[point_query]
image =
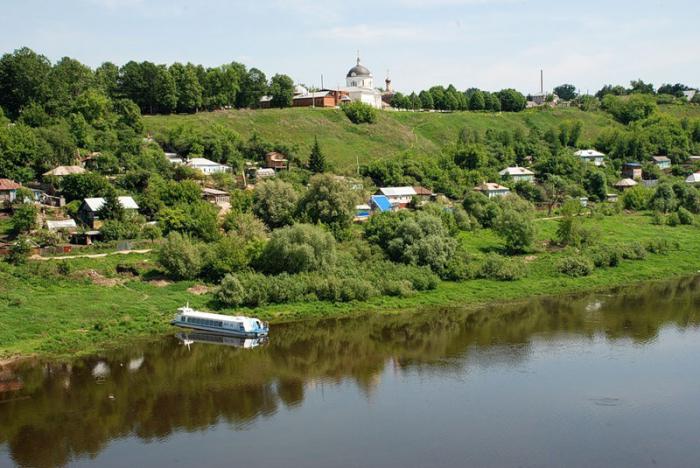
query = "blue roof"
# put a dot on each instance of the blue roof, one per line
(381, 202)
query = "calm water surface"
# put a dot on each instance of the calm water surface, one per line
(596, 380)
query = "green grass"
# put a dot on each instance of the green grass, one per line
(421, 133)
(44, 312)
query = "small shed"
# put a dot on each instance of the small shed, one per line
(216, 196)
(67, 225)
(693, 178)
(8, 190)
(277, 161)
(362, 212)
(632, 170)
(662, 162)
(624, 184)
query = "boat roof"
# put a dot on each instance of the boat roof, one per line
(208, 315)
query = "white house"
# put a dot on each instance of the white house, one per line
(492, 190)
(360, 86)
(89, 210)
(591, 156)
(173, 158)
(207, 166)
(517, 174)
(398, 196)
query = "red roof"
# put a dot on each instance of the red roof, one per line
(7, 184)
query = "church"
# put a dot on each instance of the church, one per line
(360, 86)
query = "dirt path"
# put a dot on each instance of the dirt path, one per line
(101, 255)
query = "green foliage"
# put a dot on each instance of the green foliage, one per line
(111, 209)
(317, 160)
(24, 218)
(498, 267)
(575, 266)
(180, 257)
(515, 225)
(673, 219)
(329, 201)
(684, 216)
(637, 198)
(19, 252)
(227, 255)
(87, 185)
(298, 248)
(663, 199)
(359, 112)
(275, 202)
(281, 90)
(511, 100)
(195, 219)
(629, 109)
(566, 92)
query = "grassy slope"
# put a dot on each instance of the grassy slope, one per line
(394, 132)
(72, 315)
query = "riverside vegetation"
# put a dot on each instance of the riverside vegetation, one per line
(289, 248)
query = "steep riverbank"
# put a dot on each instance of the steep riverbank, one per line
(47, 309)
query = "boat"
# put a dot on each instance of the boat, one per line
(245, 327)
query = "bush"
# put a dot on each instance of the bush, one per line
(660, 246)
(230, 292)
(517, 229)
(359, 112)
(302, 247)
(658, 218)
(673, 219)
(633, 251)
(180, 257)
(19, 252)
(501, 268)
(24, 218)
(605, 255)
(575, 266)
(684, 216)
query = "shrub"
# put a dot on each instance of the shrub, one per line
(673, 219)
(275, 202)
(575, 266)
(24, 218)
(517, 229)
(501, 268)
(398, 288)
(605, 255)
(359, 112)
(633, 251)
(658, 218)
(180, 257)
(660, 246)
(685, 216)
(302, 247)
(19, 252)
(230, 292)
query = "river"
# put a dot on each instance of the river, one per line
(594, 380)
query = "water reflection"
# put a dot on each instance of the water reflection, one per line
(52, 413)
(190, 338)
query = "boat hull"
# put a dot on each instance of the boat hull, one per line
(221, 331)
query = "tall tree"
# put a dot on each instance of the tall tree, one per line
(477, 101)
(189, 90)
(253, 87)
(107, 78)
(566, 92)
(67, 80)
(23, 76)
(281, 90)
(317, 161)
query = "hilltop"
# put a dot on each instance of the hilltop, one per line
(421, 133)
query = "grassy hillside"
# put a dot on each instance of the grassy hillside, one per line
(423, 133)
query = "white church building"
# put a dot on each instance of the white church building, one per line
(360, 86)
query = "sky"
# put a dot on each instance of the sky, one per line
(489, 44)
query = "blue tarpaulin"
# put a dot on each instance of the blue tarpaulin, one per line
(381, 202)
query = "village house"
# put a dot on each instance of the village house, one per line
(206, 166)
(276, 161)
(380, 203)
(632, 170)
(216, 196)
(591, 156)
(8, 190)
(624, 184)
(662, 162)
(362, 212)
(62, 171)
(323, 98)
(492, 190)
(517, 174)
(89, 210)
(399, 197)
(173, 158)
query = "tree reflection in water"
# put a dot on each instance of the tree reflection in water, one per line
(51, 413)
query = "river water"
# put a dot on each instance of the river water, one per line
(585, 381)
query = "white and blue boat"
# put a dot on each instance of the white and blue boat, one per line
(245, 327)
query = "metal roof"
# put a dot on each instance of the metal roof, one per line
(55, 225)
(512, 171)
(491, 187)
(95, 204)
(381, 202)
(589, 153)
(398, 191)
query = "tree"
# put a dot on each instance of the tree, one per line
(298, 248)
(516, 226)
(329, 201)
(596, 185)
(180, 257)
(111, 208)
(164, 91)
(664, 198)
(19, 252)
(89, 184)
(631, 109)
(24, 218)
(281, 90)
(360, 112)
(426, 100)
(477, 101)
(189, 90)
(23, 79)
(511, 100)
(566, 92)
(471, 156)
(222, 85)
(639, 86)
(67, 80)
(317, 160)
(107, 78)
(253, 87)
(275, 202)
